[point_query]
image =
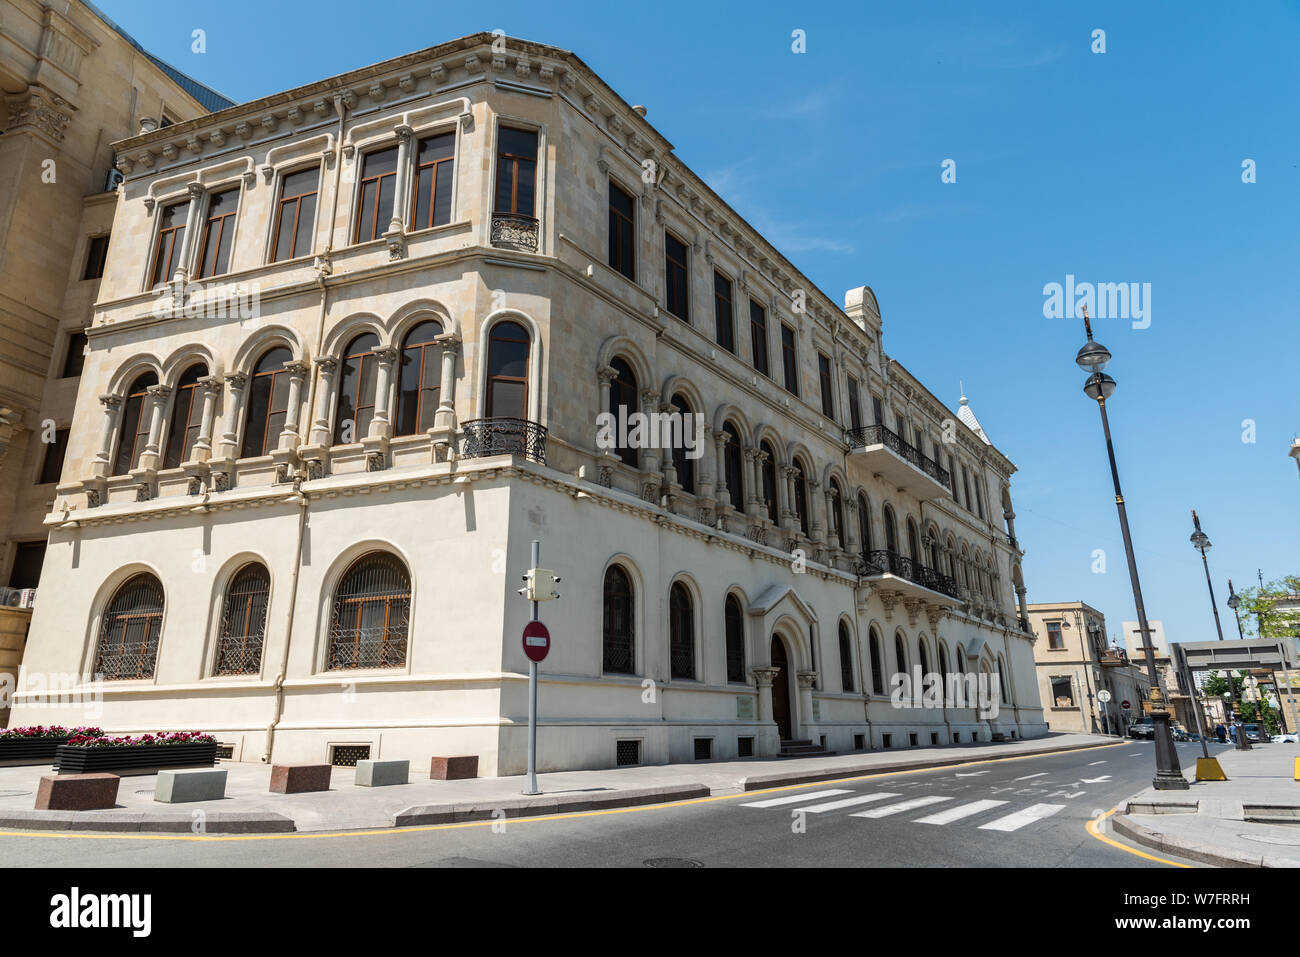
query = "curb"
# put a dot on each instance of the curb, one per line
(213, 822)
(764, 781)
(1192, 850)
(545, 804)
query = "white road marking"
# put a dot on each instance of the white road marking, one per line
(957, 813)
(970, 774)
(899, 807)
(1095, 763)
(1104, 777)
(1040, 774)
(773, 802)
(847, 802)
(1013, 822)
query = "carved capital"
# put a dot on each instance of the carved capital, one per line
(111, 401)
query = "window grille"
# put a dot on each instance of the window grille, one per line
(347, 755)
(372, 607)
(128, 638)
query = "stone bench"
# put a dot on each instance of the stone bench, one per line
(77, 792)
(375, 774)
(178, 787)
(454, 769)
(299, 778)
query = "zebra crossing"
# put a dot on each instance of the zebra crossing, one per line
(883, 806)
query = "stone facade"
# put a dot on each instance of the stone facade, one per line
(444, 511)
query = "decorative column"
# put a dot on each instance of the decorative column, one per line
(211, 387)
(832, 536)
(752, 501)
(807, 724)
(158, 394)
(235, 385)
(669, 469)
(400, 201)
(321, 435)
(444, 420)
(851, 543)
(297, 370)
(704, 479)
(379, 425)
(721, 494)
(102, 463)
(197, 195)
(649, 458)
(814, 517)
(789, 520)
(771, 737)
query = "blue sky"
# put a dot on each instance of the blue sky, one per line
(1117, 167)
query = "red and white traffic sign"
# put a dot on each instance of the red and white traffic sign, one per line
(1125, 705)
(537, 640)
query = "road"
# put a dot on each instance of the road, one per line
(1011, 812)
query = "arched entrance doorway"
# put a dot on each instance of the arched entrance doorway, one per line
(781, 690)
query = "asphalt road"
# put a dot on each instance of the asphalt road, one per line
(1018, 812)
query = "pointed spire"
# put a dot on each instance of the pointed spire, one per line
(967, 415)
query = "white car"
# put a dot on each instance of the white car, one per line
(1290, 737)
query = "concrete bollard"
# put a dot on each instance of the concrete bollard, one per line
(179, 787)
(454, 769)
(77, 792)
(299, 778)
(375, 774)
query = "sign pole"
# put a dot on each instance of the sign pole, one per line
(530, 784)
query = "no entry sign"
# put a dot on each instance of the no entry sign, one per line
(537, 640)
(1125, 705)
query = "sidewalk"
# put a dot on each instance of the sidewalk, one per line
(1250, 820)
(249, 807)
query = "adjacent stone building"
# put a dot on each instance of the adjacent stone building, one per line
(348, 360)
(71, 82)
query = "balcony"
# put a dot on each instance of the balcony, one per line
(884, 453)
(513, 231)
(908, 576)
(501, 436)
(1113, 658)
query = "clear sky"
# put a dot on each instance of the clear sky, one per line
(1122, 166)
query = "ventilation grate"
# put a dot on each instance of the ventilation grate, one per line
(627, 753)
(225, 751)
(703, 749)
(859, 742)
(744, 747)
(347, 755)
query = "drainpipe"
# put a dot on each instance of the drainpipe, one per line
(323, 270)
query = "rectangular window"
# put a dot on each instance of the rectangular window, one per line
(855, 405)
(789, 360)
(434, 162)
(952, 478)
(516, 173)
(877, 411)
(297, 214)
(1063, 692)
(979, 498)
(74, 360)
(676, 277)
(171, 236)
(1054, 639)
(26, 570)
(722, 312)
(377, 190)
(622, 231)
(758, 336)
(965, 484)
(95, 257)
(52, 467)
(827, 386)
(218, 233)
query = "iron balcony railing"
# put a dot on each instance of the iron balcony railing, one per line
(881, 562)
(514, 231)
(879, 435)
(499, 436)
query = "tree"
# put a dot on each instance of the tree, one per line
(1265, 612)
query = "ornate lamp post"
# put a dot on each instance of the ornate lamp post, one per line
(1234, 603)
(1093, 358)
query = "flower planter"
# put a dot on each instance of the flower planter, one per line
(16, 750)
(134, 759)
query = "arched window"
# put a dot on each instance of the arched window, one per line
(618, 653)
(683, 464)
(891, 528)
(268, 402)
(507, 372)
(187, 417)
(734, 623)
(623, 403)
(356, 389)
(243, 622)
(419, 383)
(864, 523)
(1002, 681)
(924, 658)
(732, 463)
(846, 658)
(133, 434)
(681, 632)
(128, 636)
(913, 541)
(943, 673)
(801, 495)
(961, 662)
(372, 610)
(877, 666)
(837, 511)
(900, 654)
(769, 480)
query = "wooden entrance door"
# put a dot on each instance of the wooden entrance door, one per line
(781, 690)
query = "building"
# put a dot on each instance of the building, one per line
(1174, 684)
(352, 353)
(1075, 665)
(72, 82)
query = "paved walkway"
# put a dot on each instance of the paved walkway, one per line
(1250, 820)
(249, 806)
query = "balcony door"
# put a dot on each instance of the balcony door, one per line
(507, 377)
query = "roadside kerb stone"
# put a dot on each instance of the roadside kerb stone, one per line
(543, 805)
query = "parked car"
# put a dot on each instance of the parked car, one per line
(1252, 733)
(1286, 737)
(1142, 728)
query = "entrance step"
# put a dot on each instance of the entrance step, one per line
(801, 748)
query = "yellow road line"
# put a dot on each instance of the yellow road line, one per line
(1094, 828)
(572, 815)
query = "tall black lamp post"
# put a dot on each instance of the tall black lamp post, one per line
(1234, 603)
(1093, 358)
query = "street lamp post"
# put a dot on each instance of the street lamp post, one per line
(1234, 603)
(1093, 358)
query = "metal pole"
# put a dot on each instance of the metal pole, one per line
(1210, 585)
(530, 784)
(1169, 774)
